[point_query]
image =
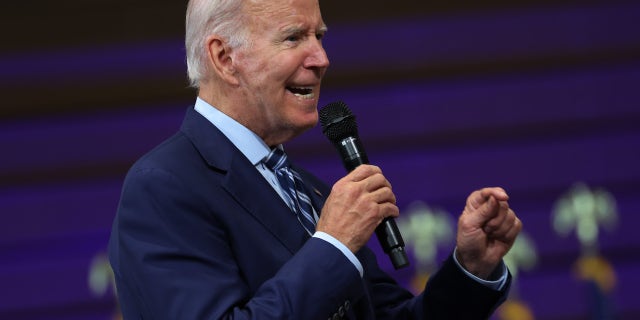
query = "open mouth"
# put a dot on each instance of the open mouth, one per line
(303, 92)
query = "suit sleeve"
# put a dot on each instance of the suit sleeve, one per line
(172, 260)
(449, 294)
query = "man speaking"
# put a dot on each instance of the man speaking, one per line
(217, 223)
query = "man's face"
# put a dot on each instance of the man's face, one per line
(281, 69)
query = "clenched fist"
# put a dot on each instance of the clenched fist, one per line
(487, 229)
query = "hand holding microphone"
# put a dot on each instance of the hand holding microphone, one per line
(363, 200)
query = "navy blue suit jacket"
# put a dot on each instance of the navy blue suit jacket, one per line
(200, 234)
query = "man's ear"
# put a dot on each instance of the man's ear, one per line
(220, 60)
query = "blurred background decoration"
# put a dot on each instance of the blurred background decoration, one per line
(424, 230)
(102, 282)
(522, 256)
(451, 96)
(586, 211)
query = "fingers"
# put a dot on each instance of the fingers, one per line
(511, 234)
(364, 188)
(357, 204)
(376, 190)
(492, 213)
(485, 204)
(367, 178)
(497, 192)
(386, 210)
(479, 197)
(498, 215)
(501, 224)
(362, 172)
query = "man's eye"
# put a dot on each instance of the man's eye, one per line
(319, 36)
(293, 38)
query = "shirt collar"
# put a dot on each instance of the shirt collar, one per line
(250, 144)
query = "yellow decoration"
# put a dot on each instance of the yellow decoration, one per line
(419, 281)
(597, 269)
(514, 310)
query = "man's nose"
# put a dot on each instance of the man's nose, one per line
(318, 56)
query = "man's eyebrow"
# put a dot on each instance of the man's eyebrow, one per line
(292, 30)
(299, 29)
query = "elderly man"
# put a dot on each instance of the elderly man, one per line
(214, 222)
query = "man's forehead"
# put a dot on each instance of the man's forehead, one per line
(277, 7)
(286, 15)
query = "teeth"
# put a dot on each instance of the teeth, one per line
(302, 92)
(305, 96)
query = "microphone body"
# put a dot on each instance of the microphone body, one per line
(340, 127)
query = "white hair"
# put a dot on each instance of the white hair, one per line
(207, 17)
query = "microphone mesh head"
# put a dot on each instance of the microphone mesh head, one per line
(337, 121)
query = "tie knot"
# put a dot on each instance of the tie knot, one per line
(276, 159)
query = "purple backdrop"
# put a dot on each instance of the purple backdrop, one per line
(514, 109)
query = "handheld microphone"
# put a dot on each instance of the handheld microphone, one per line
(339, 126)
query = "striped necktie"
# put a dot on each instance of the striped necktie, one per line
(291, 182)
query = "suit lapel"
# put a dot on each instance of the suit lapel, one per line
(243, 181)
(256, 195)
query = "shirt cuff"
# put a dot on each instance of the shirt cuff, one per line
(493, 284)
(347, 253)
